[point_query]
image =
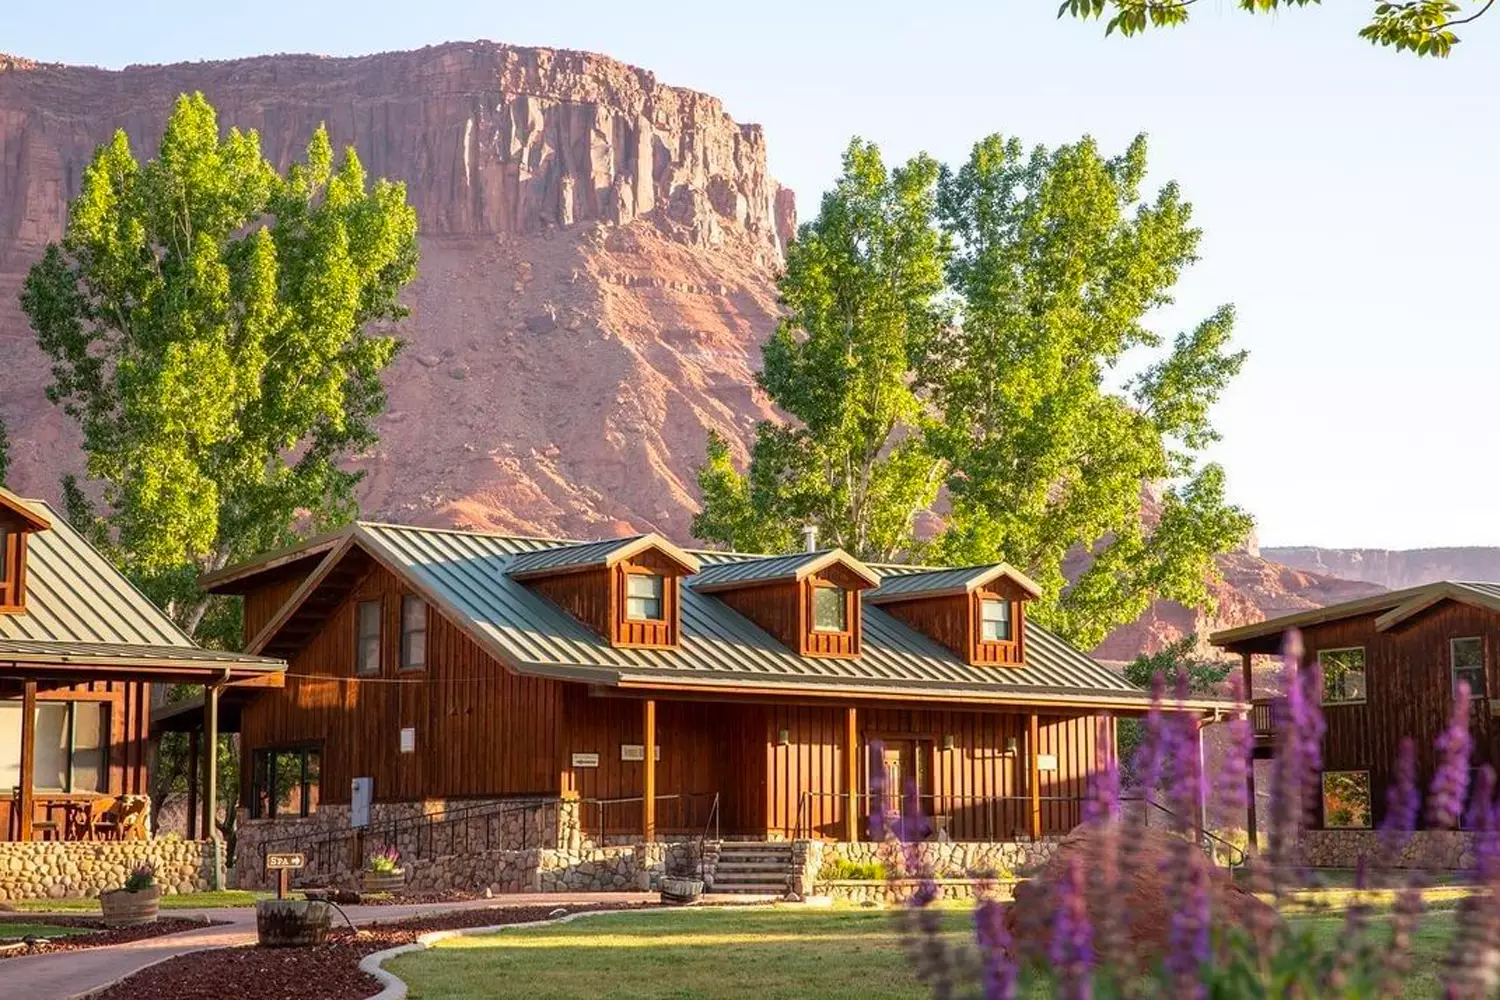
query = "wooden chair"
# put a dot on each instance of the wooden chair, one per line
(94, 819)
(41, 829)
(131, 817)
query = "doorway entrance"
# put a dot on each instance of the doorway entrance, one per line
(905, 765)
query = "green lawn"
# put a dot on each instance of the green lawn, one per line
(762, 954)
(15, 930)
(186, 901)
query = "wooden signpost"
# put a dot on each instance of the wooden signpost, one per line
(283, 865)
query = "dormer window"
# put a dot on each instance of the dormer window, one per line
(830, 609)
(10, 569)
(994, 620)
(626, 590)
(643, 597)
(17, 521)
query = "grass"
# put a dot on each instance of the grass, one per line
(184, 901)
(759, 954)
(15, 930)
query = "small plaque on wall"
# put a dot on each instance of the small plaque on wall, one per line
(1046, 762)
(585, 760)
(408, 741)
(637, 751)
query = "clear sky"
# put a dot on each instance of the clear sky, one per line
(1347, 193)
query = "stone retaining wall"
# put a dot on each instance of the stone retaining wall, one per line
(882, 892)
(78, 869)
(622, 868)
(948, 860)
(1451, 850)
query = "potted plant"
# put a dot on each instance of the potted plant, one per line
(681, 883)
(135, 902)
(383, 871)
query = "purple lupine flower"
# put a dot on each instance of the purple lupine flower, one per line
(1103, 802)
(1480, 813)
(1230, 791)
(1403, 801)
(1445, 799)
(1000, 971)
(1188, 948)
(1071, 949)
(878, 824)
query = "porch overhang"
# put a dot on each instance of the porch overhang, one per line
(77, 662)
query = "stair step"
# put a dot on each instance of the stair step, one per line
(748, 888)
(757, 879)
(747, 866)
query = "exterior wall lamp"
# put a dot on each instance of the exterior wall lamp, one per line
(1011, 746)
(784, 737)
(949, 741)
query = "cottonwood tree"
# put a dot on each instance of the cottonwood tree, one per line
(1059, 261)
(861, 293)
(216, 329)
(1425, 27)
(211, 328)
(4, 452)
(998, 379)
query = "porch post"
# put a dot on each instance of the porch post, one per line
(210, 760)
(648, 803)
(192, 782)
(27, 804)
(1034, 740)
(851, 774)
(1249, 764)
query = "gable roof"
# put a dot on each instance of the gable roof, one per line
(80, 610)
(467, 577)
(25, 510)
(754, 571)
(1396, 606)
(947, 583)
(579, 556)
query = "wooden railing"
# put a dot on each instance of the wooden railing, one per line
(1262, 717)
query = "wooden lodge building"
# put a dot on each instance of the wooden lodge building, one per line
(662, 689)
(79, 650)
(1390, 664)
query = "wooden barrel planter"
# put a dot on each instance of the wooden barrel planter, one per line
(123, 908)
(292, 923)
(370, 882)
(681, 891)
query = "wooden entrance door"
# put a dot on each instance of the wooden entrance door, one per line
(902, 762)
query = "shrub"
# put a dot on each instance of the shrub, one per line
(143, 876)
(842, 870)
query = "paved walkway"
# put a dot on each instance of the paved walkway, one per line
(69, 974)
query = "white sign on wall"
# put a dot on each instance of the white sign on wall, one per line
(1046, 762)
(408, 740)
(637, 751)
(585, 760)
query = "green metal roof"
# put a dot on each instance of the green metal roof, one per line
(907, 584)
(468, 575)
(753, 570)
(566, 557)
(81, 610)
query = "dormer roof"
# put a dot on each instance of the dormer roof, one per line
(32, 517)
(947, 583)
(792, 568)
(580, 556)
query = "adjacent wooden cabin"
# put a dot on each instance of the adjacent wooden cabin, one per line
(79, 650)
(661, 689)
(1391, 665)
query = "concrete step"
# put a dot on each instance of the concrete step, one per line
(749, 866)
(752, 874)
(747, 888)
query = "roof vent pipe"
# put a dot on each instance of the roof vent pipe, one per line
(809, 538)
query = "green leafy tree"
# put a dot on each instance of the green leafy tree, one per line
(1425, 27)
(1204, 677)
(861, 293)
(4, 452)
(211, 325)
(1060, 259)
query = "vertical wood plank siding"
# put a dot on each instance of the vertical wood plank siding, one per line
(1408, 682)
(129, 744)
(261, 604)
(587, 595)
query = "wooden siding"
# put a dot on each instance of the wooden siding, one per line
(587, 595)
(954, 621)
(775, 607)
(655, 634)
(129, 724)
(481, 730)
(784, 610)
(262, 603)
(1408, 683)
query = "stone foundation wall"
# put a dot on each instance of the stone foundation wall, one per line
(622, 868)
(1451, 850)
(878, 892)
(78, 869)
(494, 826)
(950, 860)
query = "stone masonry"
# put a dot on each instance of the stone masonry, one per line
(78, 869)
(1438, 850)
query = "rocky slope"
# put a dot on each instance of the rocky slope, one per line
(598, 260)
(1395, 568)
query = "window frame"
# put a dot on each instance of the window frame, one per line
(1009, 619)
(407, 632)
(360, 637)
(12, 569)
(1364, 672)
(1369, 798)
(105, 748)
(1483, 668)
(660, 598)
(264, 779)
(843, 594)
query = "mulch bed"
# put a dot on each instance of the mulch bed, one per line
(327, 972)
(101, 935)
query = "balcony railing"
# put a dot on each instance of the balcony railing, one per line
(1263, 717)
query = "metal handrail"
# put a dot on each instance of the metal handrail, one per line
(713, 818)
(1206, 840)
(991, 804)
(602, 804)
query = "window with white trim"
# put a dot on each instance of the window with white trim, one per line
(367, 638)
(413, 633)
(1343, 675)
(1466, 655)
(994, 620)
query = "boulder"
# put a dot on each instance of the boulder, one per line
(1141, 902)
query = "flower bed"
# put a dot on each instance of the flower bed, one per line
(98, 935)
